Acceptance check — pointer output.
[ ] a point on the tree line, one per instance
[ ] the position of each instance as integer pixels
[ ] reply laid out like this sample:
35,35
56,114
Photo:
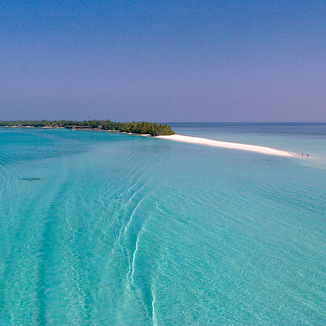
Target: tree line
154,129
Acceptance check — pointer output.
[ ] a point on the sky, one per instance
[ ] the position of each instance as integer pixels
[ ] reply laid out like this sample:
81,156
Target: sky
164,61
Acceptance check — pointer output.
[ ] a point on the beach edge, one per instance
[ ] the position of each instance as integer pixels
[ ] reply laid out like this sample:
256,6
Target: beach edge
229,145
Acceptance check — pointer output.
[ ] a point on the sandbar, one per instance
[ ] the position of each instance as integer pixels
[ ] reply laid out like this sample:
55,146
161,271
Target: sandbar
222,144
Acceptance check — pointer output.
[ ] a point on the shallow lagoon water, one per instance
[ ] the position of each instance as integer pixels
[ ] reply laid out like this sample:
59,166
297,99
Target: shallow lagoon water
103,228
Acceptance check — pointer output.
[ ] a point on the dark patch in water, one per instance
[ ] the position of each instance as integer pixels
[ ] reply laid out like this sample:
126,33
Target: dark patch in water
31,179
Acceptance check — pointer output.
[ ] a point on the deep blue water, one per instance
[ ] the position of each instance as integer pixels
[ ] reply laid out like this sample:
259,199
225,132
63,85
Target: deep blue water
109,229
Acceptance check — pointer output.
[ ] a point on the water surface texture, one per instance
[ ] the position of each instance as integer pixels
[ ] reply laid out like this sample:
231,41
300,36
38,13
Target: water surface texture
109,229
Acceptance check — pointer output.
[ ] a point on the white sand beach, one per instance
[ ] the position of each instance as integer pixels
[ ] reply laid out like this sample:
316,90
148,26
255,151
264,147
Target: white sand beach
216,143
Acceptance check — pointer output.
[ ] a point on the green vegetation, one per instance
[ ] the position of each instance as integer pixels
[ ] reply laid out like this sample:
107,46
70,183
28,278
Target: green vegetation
150,128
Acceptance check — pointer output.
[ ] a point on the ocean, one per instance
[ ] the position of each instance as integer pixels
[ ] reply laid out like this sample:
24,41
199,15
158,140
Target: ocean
100,228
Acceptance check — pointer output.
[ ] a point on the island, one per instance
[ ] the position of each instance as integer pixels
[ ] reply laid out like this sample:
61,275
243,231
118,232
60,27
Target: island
142,128
160,131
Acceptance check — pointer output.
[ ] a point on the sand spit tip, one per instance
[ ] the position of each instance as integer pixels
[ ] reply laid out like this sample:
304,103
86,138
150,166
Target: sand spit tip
222,144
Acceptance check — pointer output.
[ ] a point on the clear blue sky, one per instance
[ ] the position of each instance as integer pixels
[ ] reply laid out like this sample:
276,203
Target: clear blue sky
163,60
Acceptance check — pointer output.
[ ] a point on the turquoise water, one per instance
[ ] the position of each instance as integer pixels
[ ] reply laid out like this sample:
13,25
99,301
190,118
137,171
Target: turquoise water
108,229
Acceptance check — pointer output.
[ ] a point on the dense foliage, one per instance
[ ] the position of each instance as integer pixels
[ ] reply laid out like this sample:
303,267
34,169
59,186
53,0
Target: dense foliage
153,129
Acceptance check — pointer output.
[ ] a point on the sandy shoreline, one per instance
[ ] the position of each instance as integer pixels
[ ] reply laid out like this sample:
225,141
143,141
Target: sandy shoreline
198,141
222,144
